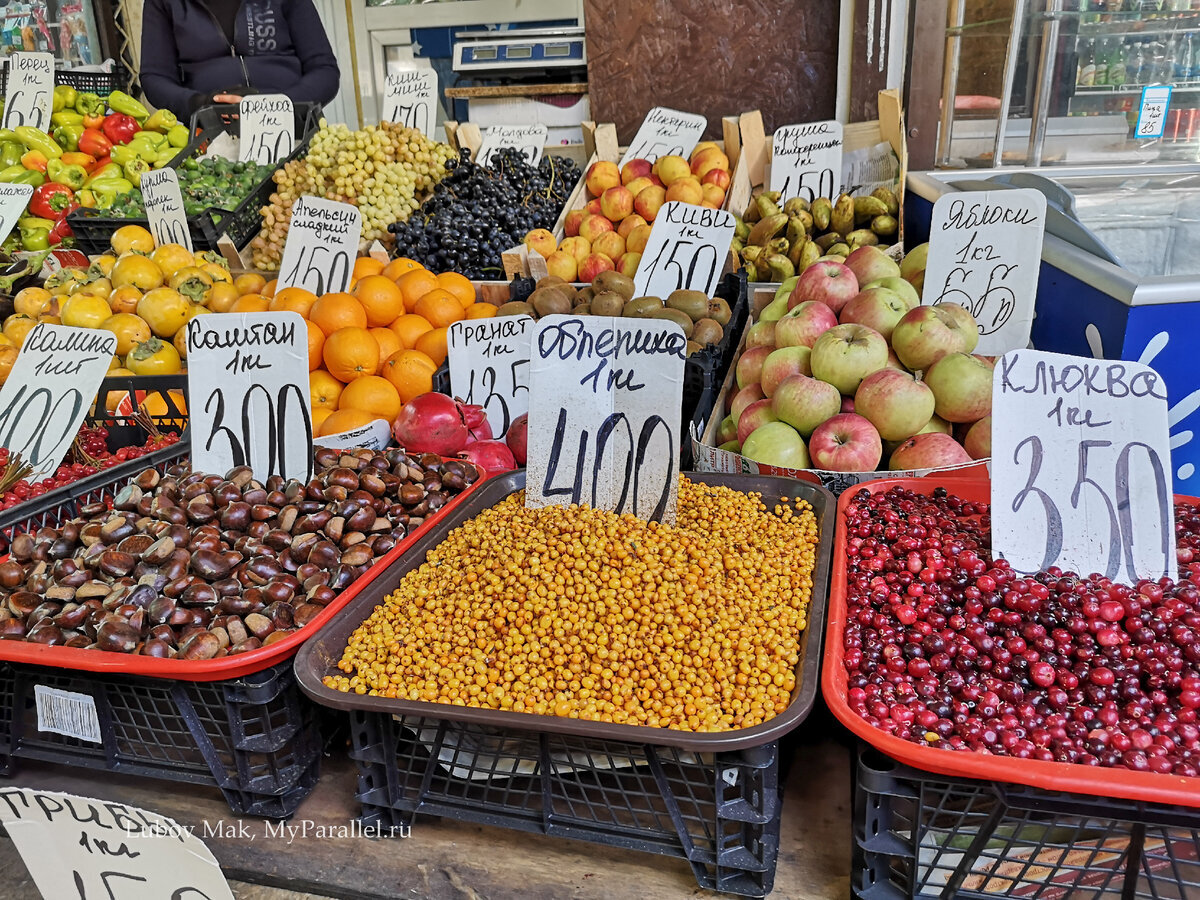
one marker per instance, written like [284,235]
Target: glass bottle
[1116,63]
[1086,76]
[1101,57]
[1182,71]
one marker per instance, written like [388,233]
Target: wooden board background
[717,59]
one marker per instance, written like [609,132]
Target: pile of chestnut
[193,566]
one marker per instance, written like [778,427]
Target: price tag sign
[248,381]
[985,253]
[29,91]
[164,208]
[529,139]
[49,391]
[489,365]
[374,436]
[90,849]
[267,127]
[13,200]
[1081,475]
[605,397]
[321,245]
[665,132]
[686,250]
[410,98]
[1152,115]
[806,160]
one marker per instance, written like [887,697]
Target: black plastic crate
[921,836]
[224,117]
[100,83]
[255,738]
[124,429]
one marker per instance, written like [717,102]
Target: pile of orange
[378,345]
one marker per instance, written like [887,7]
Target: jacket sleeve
[160,61]
[319,83]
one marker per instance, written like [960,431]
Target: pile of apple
[610,232]
[847,369]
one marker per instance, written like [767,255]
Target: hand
[226,98]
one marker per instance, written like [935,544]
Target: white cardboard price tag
[806,160]
[410,98]
[529,139]
[267,128]
[321,245]
[374,436]
[90,849]
[164,208]
[665,132]
[489,365]
[13,200]
[248,382]
[49,391]
[686,250]
[29,90]
[1081,466]
[985,253]
[1152,112]
[605,397]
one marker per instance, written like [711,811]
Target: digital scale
[519,53]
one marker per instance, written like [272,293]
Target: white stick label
[665,132]
[410,99]
[164,208]
[806,160]
[529,139]
[321,246]
[489,366]
[29,90]
[267,127]
[687,250]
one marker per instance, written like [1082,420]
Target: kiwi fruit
[707,332]
[608,303]
[640,307]
[548,280]
[583,309]
[719,311]
[682,319]
[585,294]
[615,282]
[516,308]
[549,301]
[693,303]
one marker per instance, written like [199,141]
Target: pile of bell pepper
[96,151]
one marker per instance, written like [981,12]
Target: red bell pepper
[61,230]
[120,128]
[94,143]
[49,201]
[100,163]
[35,161]
[78,159]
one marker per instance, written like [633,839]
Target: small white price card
[29,90]
[49,391]
[164,208]
[89,849]
[374,436]
[665,132]
[321,245]
[489,365]
[604,407]
[806,160]
[529,139]
[1081,466]
[1152,114]
[248,383]
[687,250]
[13,200]
[410,98]
[985,254]
[267,128]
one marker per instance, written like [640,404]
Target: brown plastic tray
[320,655]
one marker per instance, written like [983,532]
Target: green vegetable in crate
[64,97]
[89,104]
[162,121]
[205,184]
[178,136]
[121,102]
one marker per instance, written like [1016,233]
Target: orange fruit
[345,420]
[336,311]
[324,390]
[293,299]
[364,266]
[316,345]
[8,356]
[250,303]
[268,290]
[351,353]
[440,308]
[399,266]
[458,285]
[222,296]
[381,299]
[374,395]
[481,311]
[433,345]
[414,285]
[34,301]
[250,283]
[408,328]
[388,341]
[318,418]
[410,372]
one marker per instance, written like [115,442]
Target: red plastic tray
[230,666]
[1079,779]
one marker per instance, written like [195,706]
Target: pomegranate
[478,427]
[492,456]
[431,423]
[518,438]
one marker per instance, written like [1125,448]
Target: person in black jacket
[199,52]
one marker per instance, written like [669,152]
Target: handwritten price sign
[321,245]
[164,208]
[686,251]
[267,127]
[665,132]
[410,99]
[985,253]
[529,139]
[1081,475]
[13,200]
[29,90]
[1152,115]
[806,160]
[489,365]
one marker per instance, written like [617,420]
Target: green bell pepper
[122,153]
[162,121]
[164,157]
[35,233]
[135,169]
[178,136]
[108,190]
[67,137]
[89,104]
[66,117]
[73,176]
[33,139]
[10,153]
[18,174]
[111,170]
[64,97]
[119,101]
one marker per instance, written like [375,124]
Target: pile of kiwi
[703,319]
